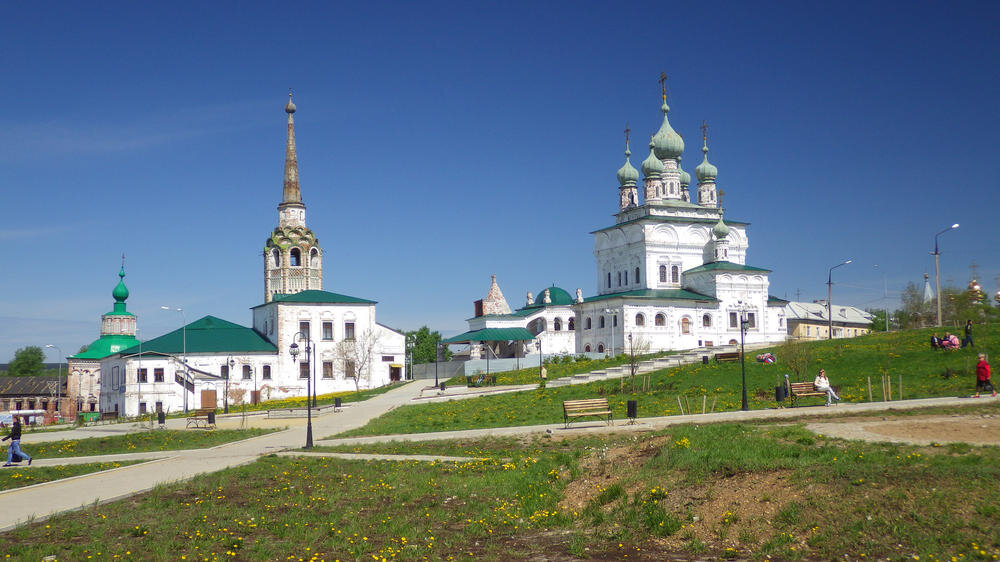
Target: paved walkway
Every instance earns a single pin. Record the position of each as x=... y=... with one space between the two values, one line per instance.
x=43 y=500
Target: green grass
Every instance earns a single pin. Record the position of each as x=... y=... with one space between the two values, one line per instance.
x=321 y=399
x=745 y=491
x=562 y=366
x=152 y=440
x=849 y=363
x=18 y=477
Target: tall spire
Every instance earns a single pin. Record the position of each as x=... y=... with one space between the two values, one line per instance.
x=291 y=191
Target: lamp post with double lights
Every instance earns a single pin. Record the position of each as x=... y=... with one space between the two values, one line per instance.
x=829 y=302
x=59 y=377
x=937 y=269
x=294 y=351
x=744 y=326
x=183 y=352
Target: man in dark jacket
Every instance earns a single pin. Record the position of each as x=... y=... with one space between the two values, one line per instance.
x=15 y=444
x=968 y=335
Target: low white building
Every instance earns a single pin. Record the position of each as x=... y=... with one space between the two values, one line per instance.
x=810 y=321
x=214 y=363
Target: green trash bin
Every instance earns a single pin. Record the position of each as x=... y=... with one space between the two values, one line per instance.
x=89 y=416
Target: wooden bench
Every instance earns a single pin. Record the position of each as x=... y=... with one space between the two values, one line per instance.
x=593 y=407
x=200 y=418
x=726 y=357
x=799 y=389
x=108 y=416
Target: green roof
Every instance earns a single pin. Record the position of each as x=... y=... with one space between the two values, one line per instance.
x=725 y=266
x=313 y=296
x=492 y=334
x=658 y=294
x=207 y=335
x=776 y=301
x=654 y=218
x=107 y=345
x=559 y=297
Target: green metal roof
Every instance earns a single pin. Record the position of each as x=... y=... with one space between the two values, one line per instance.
x=493 y=334
x=659 y=294
x=107 y=345
x=776 y=301
x=207 y=335
x=678 y=203
x=559 y=297
x=725 y=266
x=313 y=296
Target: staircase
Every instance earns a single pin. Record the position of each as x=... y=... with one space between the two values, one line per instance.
x=684 y=358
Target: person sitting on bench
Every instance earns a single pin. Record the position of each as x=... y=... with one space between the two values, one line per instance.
x=822 y=384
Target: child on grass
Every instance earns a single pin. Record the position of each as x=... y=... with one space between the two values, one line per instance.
x=983 y=376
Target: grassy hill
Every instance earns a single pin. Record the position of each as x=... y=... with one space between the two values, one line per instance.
x=903 y=356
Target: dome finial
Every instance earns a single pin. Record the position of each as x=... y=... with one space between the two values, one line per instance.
x=705 y=171
x=668 y=144
x=290 y=107
x=628 y=132
x=120 y=292
x=663 y=86
x=627 y=175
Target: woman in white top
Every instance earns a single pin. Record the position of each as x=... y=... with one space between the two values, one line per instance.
x=823 y=384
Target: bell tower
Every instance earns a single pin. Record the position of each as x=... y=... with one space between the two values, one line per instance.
x=293 y=259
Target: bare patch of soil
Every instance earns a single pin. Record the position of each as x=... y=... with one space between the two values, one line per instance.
x=603 y=468
x=979 y=429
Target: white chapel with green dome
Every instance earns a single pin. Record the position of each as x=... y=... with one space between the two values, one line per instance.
x=299 y=333
x=671 y=272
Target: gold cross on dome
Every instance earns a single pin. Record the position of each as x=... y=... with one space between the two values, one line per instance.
x=704 y=130
x=628 y=132
x=663 y=84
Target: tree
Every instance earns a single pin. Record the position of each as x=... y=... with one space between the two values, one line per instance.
x=83 y=348
x=797 y=355
x=357 y=356
x=878 y=319
x=424 y=342
x=28 y=361
x=915 y=313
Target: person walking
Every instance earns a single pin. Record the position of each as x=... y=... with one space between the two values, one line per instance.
x=15 y=444
x=822 y=384
x=983 y=376
x=968 y=335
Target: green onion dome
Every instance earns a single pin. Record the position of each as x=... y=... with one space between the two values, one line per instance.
x=685 y=177
x=705 y=171
x=627 y=175
x=667 y=143
x=720 y=230
x=120 y=293
x=651 y=166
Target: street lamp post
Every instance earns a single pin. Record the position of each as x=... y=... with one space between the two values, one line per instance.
x=744 y=326
x=538 y=346
x=631 y=352
x=183 y=351
x=829 y=297
x=294 y=350
x=229 y=373
x=885 y=298
x=437 y=356
x=409 y=357
x=937 y=269
x=58 y=377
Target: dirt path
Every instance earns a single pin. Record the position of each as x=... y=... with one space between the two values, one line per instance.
x=976 y=429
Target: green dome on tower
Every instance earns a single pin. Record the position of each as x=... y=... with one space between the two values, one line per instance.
x=685 y=177
x=120 y=293
x=651 y=166
x=666 y=142
x=627 y=175
x=720 y=230
x=705 y=170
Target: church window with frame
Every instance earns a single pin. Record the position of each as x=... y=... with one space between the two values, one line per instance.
x=304 y=370
x=640 y=320
x=614 y=320
x=275 y=258
x=663 y=274
x=349 y=331
x=601 y=324
x=587 y=324
x=609 y=279
x=626 y=278
x=247 y=372
x=295 y=257
x=327 y=330
x=734 y=320
x=571 y=324
x=600 y=348
x=706 y=320
x=266 y=372
x=142 y=375
x=349 y=368
x=304 y=330
x=637 y=281
x=685 y=325
x=619 y=278
x=158 y=375
x=327 y=369
x=675 y=274
x=751 y=320
x=557 y=325
x=660 y=320
x=587 y=348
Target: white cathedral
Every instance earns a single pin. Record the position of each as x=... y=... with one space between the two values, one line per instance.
x=300 y=333
x=671 y=274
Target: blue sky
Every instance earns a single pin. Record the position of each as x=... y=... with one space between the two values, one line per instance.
x=441 y=142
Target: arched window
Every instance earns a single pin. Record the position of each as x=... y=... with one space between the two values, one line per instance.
x=663 y=274
x=587 y=348
x=626 y=278
x=685 y=325
x=586 y=323
x=706 y=320
x=637 y=275
x=640 y=320
x=660 y=320
x=557 y=324
x=600 y=348
x=295 y=257
x=609 y=279
x=619 y=278
x=733 y=342
x=276 y=258
x=675 y=274
x=602 y=322
x=247 y=372
x=314 y=258
x=571 y=324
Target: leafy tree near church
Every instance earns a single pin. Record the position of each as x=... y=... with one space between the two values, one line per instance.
x=424 y=342
x=28 y=361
